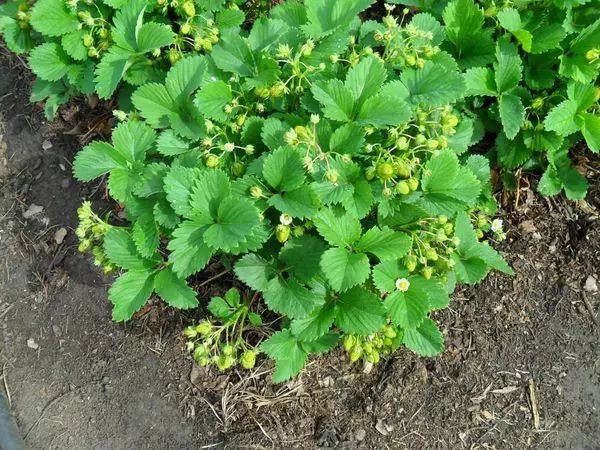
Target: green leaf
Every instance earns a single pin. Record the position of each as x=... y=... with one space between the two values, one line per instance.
x=365 y=79
x=509 y=68
x=302 y=202
x=273 y=131
x=133 y=139
x=547 y=37
x=287 y=353
x=189 y=254
x=384 y=243
x=338 y=230
x=591 y=130
x=407 y=309
x=212 y=99
x=386 y=273
x=120 y=249
x=382 y=110
x=49 y=61
x=174 y=290
x=235 y=221
x=96 y=159
x=302 y=256
x=347 y=139
x=208 y=193
x=153 y=35
x=561 y=118
x=426 y=340
x=314 y=325
x=266 y=33
x=336 y=98
x=154 y=104
x=512 y=114
x=358 y=311
x=72 y=43
x=179 y=184
x=169 y=144
x=233 y=54
x=130 y=292
x=185 y=77
x=110 y=71
x=53 y=18
x=145 y=233
x=218 y=307
x=433 y=85
x=480 y=81
x=290 y=298
x=325 y=16
x=283 y=169
x=344 y=269
x=254 y=271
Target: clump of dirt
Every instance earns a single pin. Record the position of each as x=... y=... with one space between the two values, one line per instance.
x=520 y=367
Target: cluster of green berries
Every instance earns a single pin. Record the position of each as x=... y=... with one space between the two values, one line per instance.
x=205 y=341
x=372 y=347
x=23 y=16
x=433 y=245
x=96 y=38
x=91 y=231
x=405 y=46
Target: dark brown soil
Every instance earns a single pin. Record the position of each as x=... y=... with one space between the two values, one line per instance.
x=77 y=380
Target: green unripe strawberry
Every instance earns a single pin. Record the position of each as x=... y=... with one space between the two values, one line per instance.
x=370 y=173
x=420 y=139
x=190 y=332
x=448 y=228
x=282 y=233
x=212 y=161
x=401 y=169
x=433 y=144
x=84 y=245
x=256 y=192
x=204 y=328
x=93 y=52
x=355 y=355
x=227 y=349
x=88 y=40
x=537 y=103
x=387 y=342
x=248 y=359
x=592 y=54
x=185 y=28
x=402 y=143
x=174 y=55
x=368 y=347
x=479 y=234
x=387 y=192
x=200 y=352
x=332 y=175
x=442 y=219
x=238 y=168
x=385 y=171
x=413 y=184
x=440 y=236
x=103 y=33
x=431 y=254
x=411 y=60
x=427 y=272
x=390 y=332
x=349 y=342
x=481 y=221
x=410 y=262
x=188 y=9
x=402 y=188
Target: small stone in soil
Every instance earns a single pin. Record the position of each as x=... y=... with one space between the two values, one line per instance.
x=32 y=344
x=360 y=435
x=65 y=183
x=32 y=211
x=60 y=235
x=591 y=284
x=46 y=145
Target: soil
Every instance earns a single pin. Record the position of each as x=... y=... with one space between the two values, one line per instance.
x=521 y=366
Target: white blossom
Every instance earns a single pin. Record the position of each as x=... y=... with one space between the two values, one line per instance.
x=285 y=219
x=402 y=284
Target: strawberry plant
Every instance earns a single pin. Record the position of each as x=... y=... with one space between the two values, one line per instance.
x=324 y=159
x=531 y=71
x=89 y=46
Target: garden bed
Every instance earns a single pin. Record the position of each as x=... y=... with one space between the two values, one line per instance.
x=521 y=365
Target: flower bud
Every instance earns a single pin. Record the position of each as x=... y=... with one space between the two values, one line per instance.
x=282 y=233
